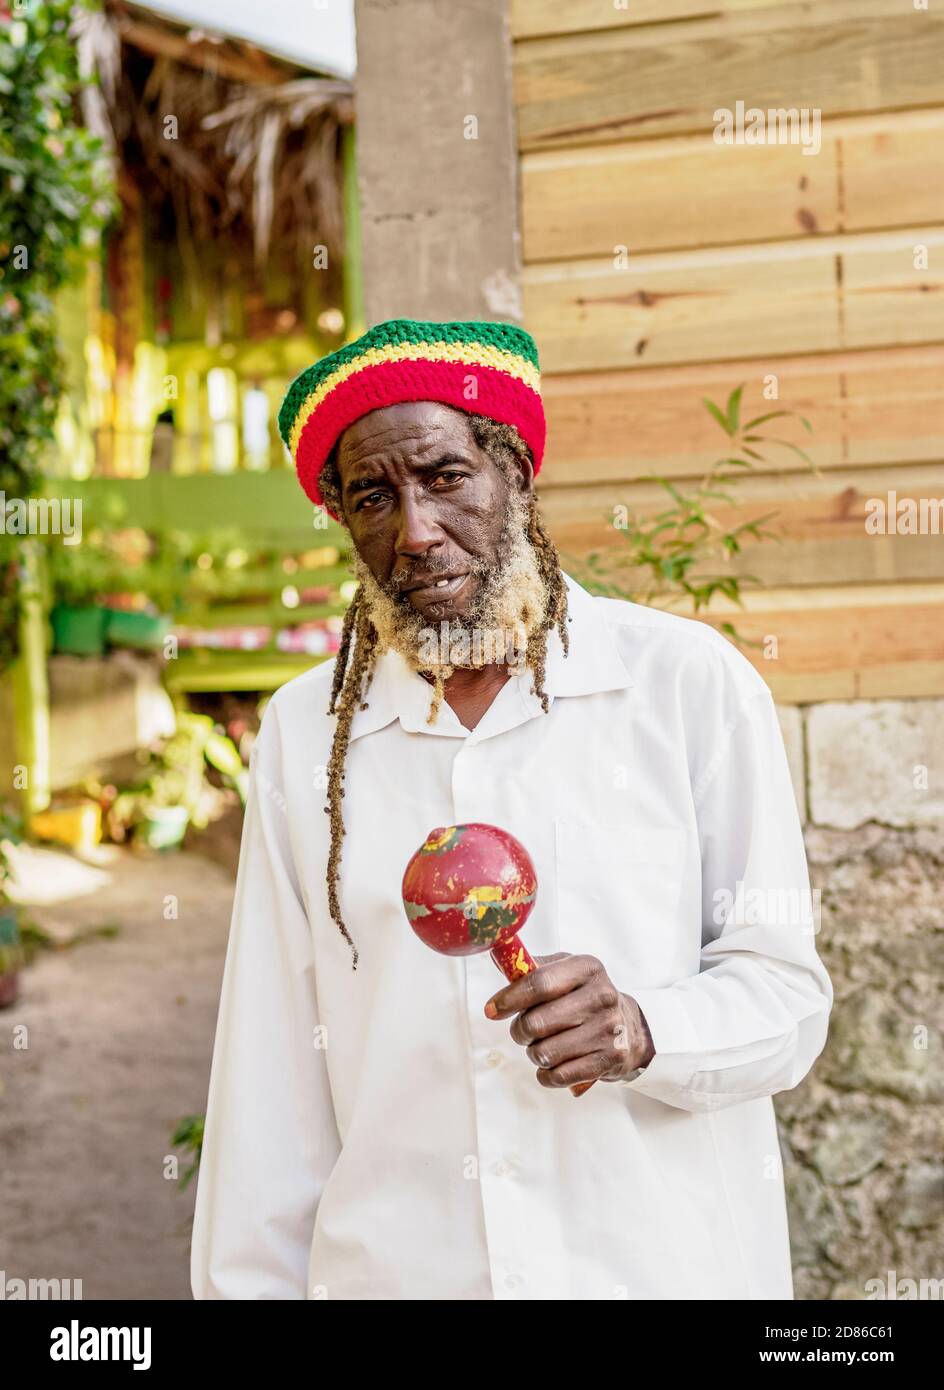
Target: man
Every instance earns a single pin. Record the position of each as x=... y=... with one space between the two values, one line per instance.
x=388 y=1123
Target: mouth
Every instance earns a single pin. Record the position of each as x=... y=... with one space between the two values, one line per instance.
x=444 y=586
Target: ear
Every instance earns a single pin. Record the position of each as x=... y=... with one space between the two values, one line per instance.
x=524 y=472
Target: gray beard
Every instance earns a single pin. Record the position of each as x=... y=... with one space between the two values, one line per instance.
x=506 y=612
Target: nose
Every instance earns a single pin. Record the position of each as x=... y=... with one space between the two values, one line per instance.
x=418 y=531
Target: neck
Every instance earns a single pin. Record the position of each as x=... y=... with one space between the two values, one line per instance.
x=470 y=691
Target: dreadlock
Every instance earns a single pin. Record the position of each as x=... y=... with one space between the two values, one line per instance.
x=357 y=651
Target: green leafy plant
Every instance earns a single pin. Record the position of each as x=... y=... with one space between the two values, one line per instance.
x=54 y=198
x=673 y=554
x=176 y=775
x=189 y=1136
x=170 y=569
x=80 y=574
x=11 y=832
x=111 y=561
x=11 y=947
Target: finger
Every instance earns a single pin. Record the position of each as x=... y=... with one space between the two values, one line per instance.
x=567 y=1046
x=587 y=1069
x=547 y=982
x=544 y=1020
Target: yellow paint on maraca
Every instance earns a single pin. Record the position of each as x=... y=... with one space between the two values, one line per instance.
x=437 y=841
x=482 y=898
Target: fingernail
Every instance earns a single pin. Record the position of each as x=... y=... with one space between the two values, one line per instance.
x=490 y=1010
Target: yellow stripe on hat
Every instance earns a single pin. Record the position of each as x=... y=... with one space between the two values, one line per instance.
x=474 y=354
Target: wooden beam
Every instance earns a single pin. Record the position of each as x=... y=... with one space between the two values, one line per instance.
x=580 y=504
x=779 y=298
x=841 y=643
x=634 y=82
x=873 y=172
x=866 y=408
x=790 y=600
x=821 y=536
x=538 y=18
x=891 y=170
x=890 y=651
x=203 y=54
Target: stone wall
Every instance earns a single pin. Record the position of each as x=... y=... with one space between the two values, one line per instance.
x=863 y=1137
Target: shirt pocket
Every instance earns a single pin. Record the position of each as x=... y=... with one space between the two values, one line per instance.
x=618 y=890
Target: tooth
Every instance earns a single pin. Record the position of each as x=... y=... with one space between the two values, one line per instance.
x=441 y=583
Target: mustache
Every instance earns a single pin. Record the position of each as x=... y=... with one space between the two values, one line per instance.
x=432 y=568
x=489 y=572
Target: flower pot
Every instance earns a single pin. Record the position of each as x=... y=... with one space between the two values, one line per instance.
x=125 y=628
x=78 y=631
x=163 y=827
x=11 y=957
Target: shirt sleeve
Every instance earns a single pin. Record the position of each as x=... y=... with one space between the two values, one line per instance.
x=270 y=1138
x=755 y=1017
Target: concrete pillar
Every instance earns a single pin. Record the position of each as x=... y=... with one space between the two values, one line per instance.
x=437 y=162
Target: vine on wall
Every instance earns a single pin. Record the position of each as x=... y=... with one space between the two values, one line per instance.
x=55 y=196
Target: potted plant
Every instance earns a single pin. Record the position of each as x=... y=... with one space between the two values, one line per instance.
x=174 y=791
x=78 y=574
x=111 y=590
x=141 y=628
x=137 y=610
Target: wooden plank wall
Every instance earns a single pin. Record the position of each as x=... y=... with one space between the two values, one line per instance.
x=661 y=267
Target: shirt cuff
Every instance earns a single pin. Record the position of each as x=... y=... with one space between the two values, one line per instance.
x=674 y=1039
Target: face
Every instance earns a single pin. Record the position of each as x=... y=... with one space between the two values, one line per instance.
x=424 y=504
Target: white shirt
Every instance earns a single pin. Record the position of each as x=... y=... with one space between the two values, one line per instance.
x=372 y=1135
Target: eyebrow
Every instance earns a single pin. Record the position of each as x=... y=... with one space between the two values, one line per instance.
x=366 y=481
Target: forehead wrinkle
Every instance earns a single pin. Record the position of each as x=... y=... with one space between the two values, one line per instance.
x=422 y=436
x=369 y=458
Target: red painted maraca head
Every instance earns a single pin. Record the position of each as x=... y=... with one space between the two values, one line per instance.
x=468 y=888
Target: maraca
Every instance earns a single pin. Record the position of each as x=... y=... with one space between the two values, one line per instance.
x=470 y=888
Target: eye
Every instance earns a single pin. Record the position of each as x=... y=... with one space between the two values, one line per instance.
x=447 y=474
x=369 y=499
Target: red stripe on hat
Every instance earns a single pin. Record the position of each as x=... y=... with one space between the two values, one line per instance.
x=500 y=396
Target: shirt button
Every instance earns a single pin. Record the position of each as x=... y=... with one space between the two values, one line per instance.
x=511 y=1281
x=502 y=1169
x=493 y=1058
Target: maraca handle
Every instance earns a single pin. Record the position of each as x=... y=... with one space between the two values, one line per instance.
x=514 y=961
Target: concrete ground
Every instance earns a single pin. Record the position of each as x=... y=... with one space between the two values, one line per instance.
x=120 y=1031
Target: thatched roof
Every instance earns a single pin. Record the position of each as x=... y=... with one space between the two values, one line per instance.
x=242 y=143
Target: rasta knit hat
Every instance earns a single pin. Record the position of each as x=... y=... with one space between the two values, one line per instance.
x=482 y=368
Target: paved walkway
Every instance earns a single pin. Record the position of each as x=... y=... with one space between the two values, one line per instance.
x=120 y=1032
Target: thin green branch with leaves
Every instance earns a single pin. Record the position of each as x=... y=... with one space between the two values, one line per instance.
x=671 y=556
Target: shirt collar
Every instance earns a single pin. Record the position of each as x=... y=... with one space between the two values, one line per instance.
x=593 y=664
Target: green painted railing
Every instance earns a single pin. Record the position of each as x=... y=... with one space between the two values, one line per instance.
x=266 y=509
x=269 y=507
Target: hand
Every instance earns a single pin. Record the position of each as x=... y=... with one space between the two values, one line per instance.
x=574 y=1022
